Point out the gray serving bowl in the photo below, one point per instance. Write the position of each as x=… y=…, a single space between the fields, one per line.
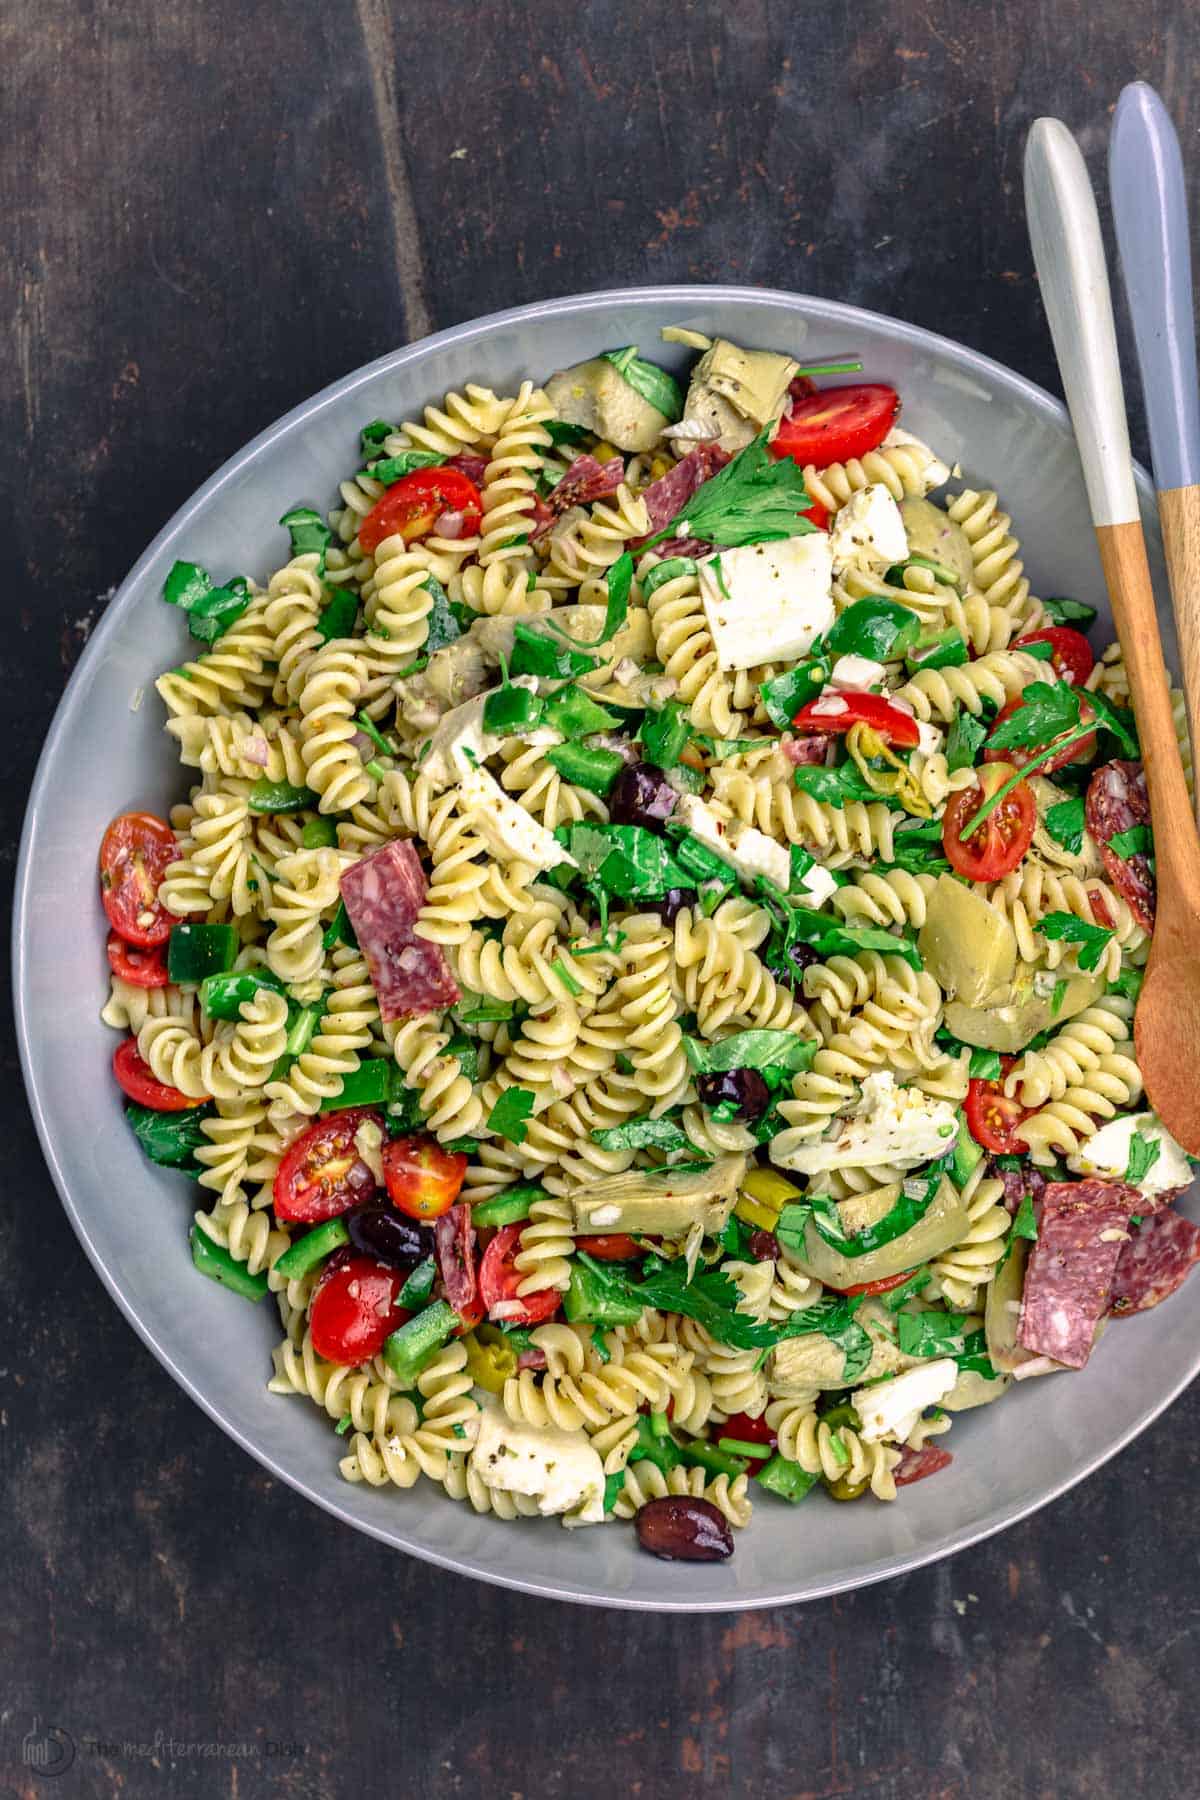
x=104 y=754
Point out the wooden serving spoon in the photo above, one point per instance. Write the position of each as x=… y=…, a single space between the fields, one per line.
x=1069 y=254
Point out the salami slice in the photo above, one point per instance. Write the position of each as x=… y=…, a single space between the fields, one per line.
x=1018 y=1182
x=473 y=467
x=814 y=747
x=584 y=481
x=1158 y=1258
x=1082 y=1227
x=666 y=497
x=383 y=894
x=915 y=1465
x=454 y=1242
x=1117 y=801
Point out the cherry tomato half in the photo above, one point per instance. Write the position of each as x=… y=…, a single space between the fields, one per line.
x=883 y=1286
x=817 y=514
x=423 y=1180
x=997 y=846
x=1018 y=755
x=140 y=966
x=354 y=1308
x=411 y=506
x=137 y=1079
x=322 y=1174
x=994 y=1116
x=890 y=722
x=751 y=1431
x=613 y=1246
x=499 y=1280
x=134 y=855
x=1072 y=658
x=837 y=423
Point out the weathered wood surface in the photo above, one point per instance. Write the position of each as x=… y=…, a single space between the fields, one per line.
x=209 y=212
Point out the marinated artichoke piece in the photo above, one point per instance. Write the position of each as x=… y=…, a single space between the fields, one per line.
x=1009 y=1022
x=596 y=396
x=662 y=1201
x=1084 y=862
x=973 y=1389
x=733 y=394
x=967 y=946
x=943 y=1224
x=632 y=644
x=800 y=1364
x=932 y=533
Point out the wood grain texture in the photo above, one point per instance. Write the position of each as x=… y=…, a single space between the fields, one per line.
x=205 y=222
x=1179 y=513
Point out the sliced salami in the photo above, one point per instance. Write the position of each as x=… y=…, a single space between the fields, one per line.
x=586 y=480
x=666 y=497
x=814 y=747
x=680 y=546
x=1157 y=1260
x=383 y=894
x=1117 y=801
x=915 y=1465
x=473 y=467
x=454 y=1242
x=1018 y=1182
x=1082 y=1227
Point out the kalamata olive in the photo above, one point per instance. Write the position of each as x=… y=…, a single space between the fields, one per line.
x=798 y=957
x=672 y=904
x=641 y=795
x=765 y=1246
x=388 y=1235
x=684 y=1530
x=745 y=1087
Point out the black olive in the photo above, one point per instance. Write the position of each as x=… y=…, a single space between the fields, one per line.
x=388 y=1235
x=765 y=1246
x=672 y=903
x=745 y=1087
x=684 y=1530
x=798 y=957
x=641 y=795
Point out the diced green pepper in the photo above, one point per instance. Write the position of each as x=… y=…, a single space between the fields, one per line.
x=876 y=627
x=785 y=694
x=966 y=1158
x=595 y=770
x=665 y=735
x=589 y=1301
x=312 y=1248
x=938 y=650
x=534 y=653
x=319 y=834
x=223 y=996
x=652 y=1446
x=699 y=1455
x=419 y=1286
x=280 y=797
x=507 y=1208
x=218 y=1265
x=413 y=1343
x=787 y=1479
x=573 y=712
x=511 y=709
x=195 y=952
x=371 y=1084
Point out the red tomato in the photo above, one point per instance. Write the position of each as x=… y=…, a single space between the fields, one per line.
x=140 y=967
x=993 y=1116
x=751 y=1431
x=818 y=514
x=837 y=423
x=1081 y=751
x=423 y=1180
x=882 y=1286
x=411 y=506
x=998 y=845
x=1072 y=659
x=136 y=1078
x=322 y=1174
x=354 y=1309
x=134 y=856
x=612 y=1246
x=892 y=724
x=499 y=1280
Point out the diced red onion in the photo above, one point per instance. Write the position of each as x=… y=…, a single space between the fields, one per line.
x=449 y=524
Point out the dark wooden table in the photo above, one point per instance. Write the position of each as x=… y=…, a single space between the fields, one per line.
x=211 y=210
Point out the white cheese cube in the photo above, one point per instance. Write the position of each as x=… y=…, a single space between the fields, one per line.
x=868 y=530
x=900 y=1126
x=1107 y=1154
x=767 y=602
x=749 y=852
x=892 y=1408
x=858 y=674
x=558 y=1469
x=817 y=885
x=936 y=471
x=459 y=737
x=930 y=741
x=507 y=827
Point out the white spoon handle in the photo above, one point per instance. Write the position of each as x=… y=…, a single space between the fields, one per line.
x=1068 y=252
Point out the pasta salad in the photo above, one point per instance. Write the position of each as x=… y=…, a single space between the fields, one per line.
x=644 y=973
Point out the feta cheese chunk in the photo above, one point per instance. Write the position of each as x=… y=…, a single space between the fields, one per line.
x=459 y=736
x=936 y=471
x=891 y=1408
x=868 y=530
x=930 y=741
x=857 y=673
x=1107 y=1154
x=817 y=885
x=558 y=1469
x=750 y=852
x=507 y=827
x=896 y=1125
x=767 y=602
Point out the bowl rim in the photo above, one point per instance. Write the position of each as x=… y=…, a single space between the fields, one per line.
x=815 y=309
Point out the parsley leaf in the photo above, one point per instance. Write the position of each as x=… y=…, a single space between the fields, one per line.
x=1047 y=709
x=751 y=500
x=1064 y=927
x=1069 y=612
x=308 y=532
x=618 y=582
x=642 y=1134
x=211 y=610
x=655 y=385
x=1065 y=823
x=509 y=1115
x=1135 y=842
x=1143 y=1154
x=770 y=1052
x=443 y=626
x=963 y=741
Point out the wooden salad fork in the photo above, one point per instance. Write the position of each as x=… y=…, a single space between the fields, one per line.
x=1069 y=255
